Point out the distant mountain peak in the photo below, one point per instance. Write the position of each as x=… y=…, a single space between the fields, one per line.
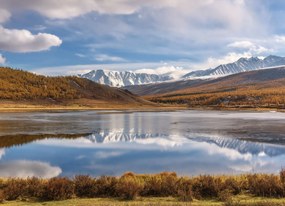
x=123 y=78
x=241 y=65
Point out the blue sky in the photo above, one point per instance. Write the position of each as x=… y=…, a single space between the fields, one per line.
x=71 y=36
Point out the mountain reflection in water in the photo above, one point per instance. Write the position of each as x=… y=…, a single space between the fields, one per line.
x=188 y=143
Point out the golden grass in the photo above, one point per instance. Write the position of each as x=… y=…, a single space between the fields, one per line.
x=155 y=201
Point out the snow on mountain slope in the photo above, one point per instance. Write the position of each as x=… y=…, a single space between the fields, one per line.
x=167 y=73
x=242 y=65
x=124 y=78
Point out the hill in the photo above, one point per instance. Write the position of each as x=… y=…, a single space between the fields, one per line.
x=260 y=88
x=17 y=86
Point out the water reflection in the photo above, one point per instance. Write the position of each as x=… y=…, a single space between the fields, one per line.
x=188 y=143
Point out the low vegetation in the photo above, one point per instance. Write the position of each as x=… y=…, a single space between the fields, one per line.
x=18 y=86
x=255 y=89
x=131 y=186
x=238 y=98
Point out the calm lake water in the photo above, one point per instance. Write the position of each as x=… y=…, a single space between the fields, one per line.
x=112 y=142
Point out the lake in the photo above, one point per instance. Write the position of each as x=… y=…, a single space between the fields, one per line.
x=49 y=144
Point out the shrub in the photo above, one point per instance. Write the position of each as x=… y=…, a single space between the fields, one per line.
x=34 y=187
x=129 y=186
x=168 y=183
x=14 y=188
x=184 y=190
x=58 y=189
x=84 y=186
x=106 y=186
x=282 y=176
x=225 y=195
x=152 y=186
x=232 y=185
x=206 y=186
x=265 y=185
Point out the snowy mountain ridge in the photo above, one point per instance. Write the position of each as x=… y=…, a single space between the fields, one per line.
x=145 y=76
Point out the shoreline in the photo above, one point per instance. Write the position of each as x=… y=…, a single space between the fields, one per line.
x=60 y=108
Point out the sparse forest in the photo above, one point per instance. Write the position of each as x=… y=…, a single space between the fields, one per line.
x=18 y=85
x=245 y=90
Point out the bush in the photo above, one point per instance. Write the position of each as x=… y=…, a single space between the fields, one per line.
x=168 y=183
x=225 y=195
x=206 y=186
x=265 y=185
x=152 y=186
x=129 y=186
x=84 y=186
x=282 y=176
x=58 y=189
x=231 y=184
x=34 y=187
x=106 y=186
x=184 y=190
x=15 y=188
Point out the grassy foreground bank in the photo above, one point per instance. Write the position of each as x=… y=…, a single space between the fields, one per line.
x=241 y=200
x=159 y=189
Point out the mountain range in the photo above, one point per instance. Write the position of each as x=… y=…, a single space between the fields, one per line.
x=124 y=78
x=128 y=78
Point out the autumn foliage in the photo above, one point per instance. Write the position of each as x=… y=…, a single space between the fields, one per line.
x=130 y=185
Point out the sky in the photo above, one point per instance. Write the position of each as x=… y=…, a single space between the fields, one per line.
x=59 y=37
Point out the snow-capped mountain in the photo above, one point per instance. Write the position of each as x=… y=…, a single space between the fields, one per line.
x=163 y=74
x=233 y=142
x=124 y=78
x=241 y=65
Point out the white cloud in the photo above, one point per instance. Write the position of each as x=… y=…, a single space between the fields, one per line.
x=174 y=71
x=108 y=58
x=279 y=39
x=2 y=153
x=24 y=169
x=4 y=15
x=212 y=62
x=107 y=154
x=250 y=46
x=2 y=59
x=15 y=40
x=241 y=44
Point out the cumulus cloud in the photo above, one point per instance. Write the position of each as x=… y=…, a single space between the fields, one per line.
x=2 y=59
x=15 y=40
x=24 y=169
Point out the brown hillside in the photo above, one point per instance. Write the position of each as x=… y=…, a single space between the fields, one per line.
x=261 y=88
x=19 y=86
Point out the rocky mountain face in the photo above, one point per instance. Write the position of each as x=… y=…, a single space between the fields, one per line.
x=127 y=78
x=124 y=78
x=242 y=65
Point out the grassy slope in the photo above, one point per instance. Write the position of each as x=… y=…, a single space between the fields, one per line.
x=263 y=88
x=239 y=200
x=23 y=89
